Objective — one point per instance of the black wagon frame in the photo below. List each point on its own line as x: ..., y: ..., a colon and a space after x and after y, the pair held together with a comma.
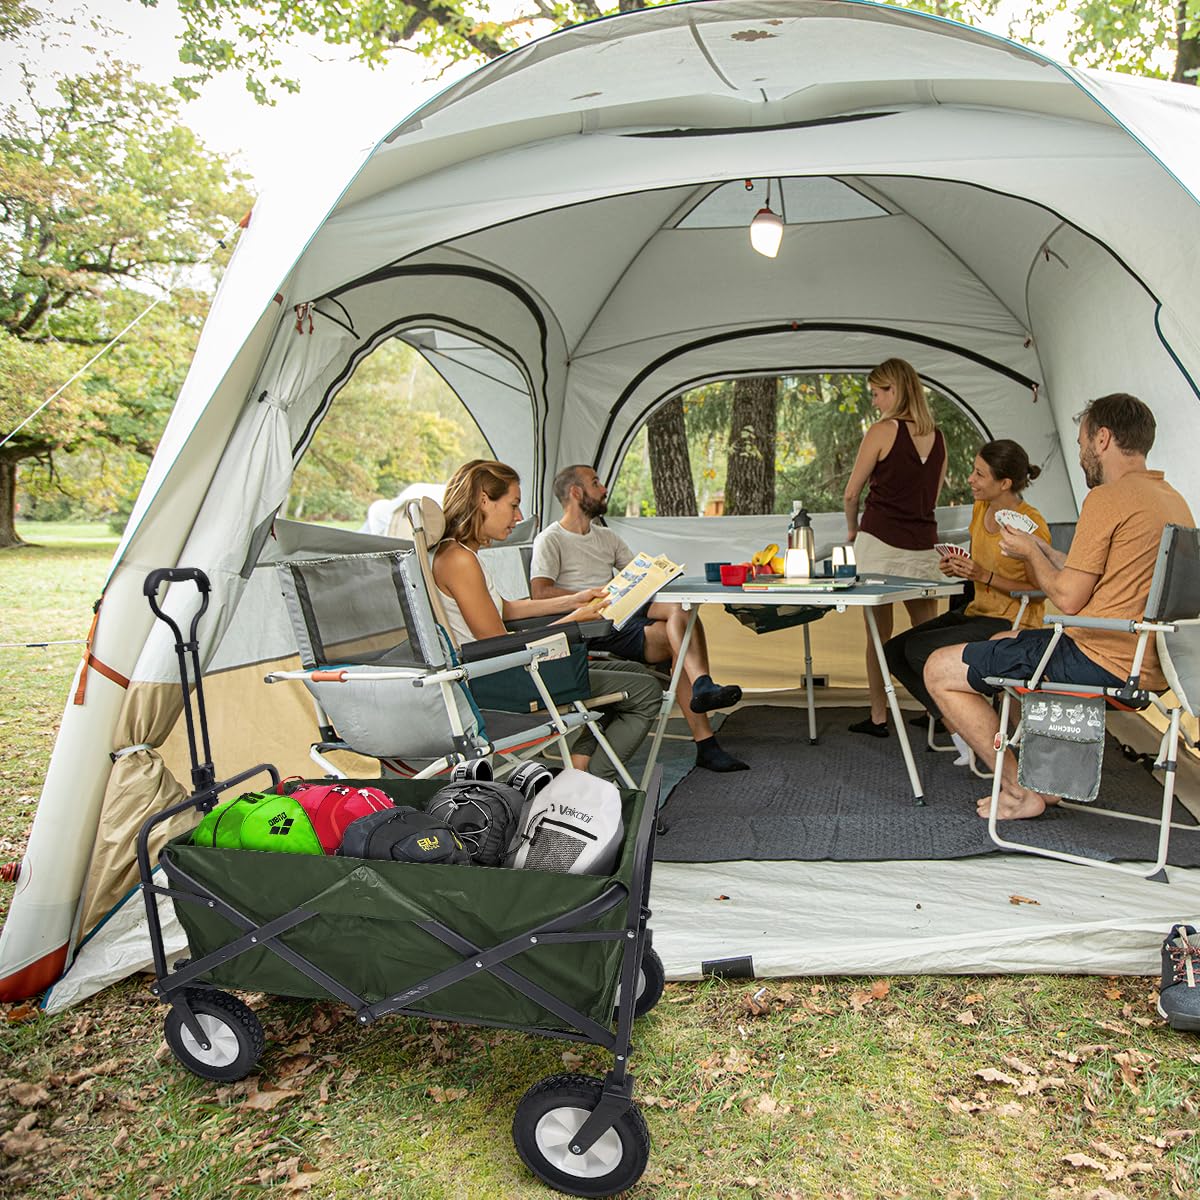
x: 185, y: 989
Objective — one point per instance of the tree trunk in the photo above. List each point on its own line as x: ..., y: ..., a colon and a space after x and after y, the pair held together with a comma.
x: 1187, y: 47
x: 8, y: 501
x: 750, y: 479
x: 670, y: 467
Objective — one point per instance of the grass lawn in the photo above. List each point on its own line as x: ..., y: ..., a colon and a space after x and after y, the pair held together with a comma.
x: 919, y: 1087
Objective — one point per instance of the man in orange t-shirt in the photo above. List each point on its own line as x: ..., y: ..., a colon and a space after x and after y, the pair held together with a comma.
x: 1106, y: 573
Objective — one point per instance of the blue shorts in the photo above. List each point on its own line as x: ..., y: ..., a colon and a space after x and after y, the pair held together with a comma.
x: 1018, y: 657
x: 629, y: 642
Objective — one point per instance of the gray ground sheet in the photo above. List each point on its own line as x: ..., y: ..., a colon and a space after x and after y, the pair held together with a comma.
x: 847, y: 799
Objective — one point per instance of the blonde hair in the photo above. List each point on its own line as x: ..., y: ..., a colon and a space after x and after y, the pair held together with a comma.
x: 464, y: 517
x: 911, y: 404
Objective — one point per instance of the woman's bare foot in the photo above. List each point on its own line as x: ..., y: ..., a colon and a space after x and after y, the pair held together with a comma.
x: 1013, y: 808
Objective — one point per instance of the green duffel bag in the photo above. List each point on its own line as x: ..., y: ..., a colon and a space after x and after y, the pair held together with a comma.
x: 259, y: 821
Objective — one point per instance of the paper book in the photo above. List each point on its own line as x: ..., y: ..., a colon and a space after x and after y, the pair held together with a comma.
x: 634, y: 585
x: 784, y: 584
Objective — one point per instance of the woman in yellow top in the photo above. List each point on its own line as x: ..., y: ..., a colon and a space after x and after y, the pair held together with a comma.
x: 1002, y: 472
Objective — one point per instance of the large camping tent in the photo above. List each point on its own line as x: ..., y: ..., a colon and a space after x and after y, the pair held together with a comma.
x: 563, y: 235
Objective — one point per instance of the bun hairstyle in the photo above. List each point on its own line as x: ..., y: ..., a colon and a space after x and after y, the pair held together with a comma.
x: 1007, y: 459
x: 464, y: 517
x: 911, y: 404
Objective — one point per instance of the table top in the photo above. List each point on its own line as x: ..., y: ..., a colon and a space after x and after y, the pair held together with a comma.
x: 870, y: 591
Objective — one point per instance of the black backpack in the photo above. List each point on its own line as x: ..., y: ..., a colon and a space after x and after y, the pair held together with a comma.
x: 487, y: 816
x: 403, y: 835
x: 483, y: 815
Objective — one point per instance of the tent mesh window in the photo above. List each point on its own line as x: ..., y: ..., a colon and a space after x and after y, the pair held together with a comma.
x: 363, y: 609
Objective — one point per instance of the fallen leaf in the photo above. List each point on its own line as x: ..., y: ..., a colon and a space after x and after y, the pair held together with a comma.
x: 1112, y: 993
x: 973, y: 998
x: 301, y: 1181
x: 1022, y: 900
x: 880, y: 989
x: 1017, y: 1065
x: 757, y: 1003
x: 1011, y: 1109
x: 766, y: 1103
x: 991, y: 1075
x: 295, y: 1064
x: 1109, y: 1151
x: 29, y: 1095
x: 265, y: 1099
x: 441, y: 1095
x: 571, y: 1060
x: 967, y: 1018
x: 1083, y: 1160
x: 860, y: 999
x: 22, y: 1012
x: 1114, y: 1027
x: 657, y: 1102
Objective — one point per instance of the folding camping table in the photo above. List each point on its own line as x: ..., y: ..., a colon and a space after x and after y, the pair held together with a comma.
x: 868, y: 593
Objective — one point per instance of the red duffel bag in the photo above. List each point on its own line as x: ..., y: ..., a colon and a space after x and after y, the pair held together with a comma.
x: 332, y: 806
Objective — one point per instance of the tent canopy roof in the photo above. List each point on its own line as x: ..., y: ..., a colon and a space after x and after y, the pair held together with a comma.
x: 1010, y: 224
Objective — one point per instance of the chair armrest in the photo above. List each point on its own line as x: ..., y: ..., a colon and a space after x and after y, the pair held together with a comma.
x: 1115, y: 623
x: 1030, y: 594
x: 575, y: 632
x: 510, y: 643
x: 589, y: 630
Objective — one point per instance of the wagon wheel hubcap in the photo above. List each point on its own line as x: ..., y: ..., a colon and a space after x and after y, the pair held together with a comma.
x: 223, y: 1042
x: 554, y: 1133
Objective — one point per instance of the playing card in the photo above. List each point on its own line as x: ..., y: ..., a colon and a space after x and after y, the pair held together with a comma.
x: 1016, y: 521
x: 949, y: 549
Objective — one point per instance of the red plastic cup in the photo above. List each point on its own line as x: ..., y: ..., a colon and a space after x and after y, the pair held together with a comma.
x: 733, y: 574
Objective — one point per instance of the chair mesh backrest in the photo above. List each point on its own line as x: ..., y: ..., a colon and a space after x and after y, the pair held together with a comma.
x: 1175, y: 598
x: 361, y: 608
x: 1175, y: 586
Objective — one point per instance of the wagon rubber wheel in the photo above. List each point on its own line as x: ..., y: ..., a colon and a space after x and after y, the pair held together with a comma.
x: 652, y: 975
x: 234, y: 1033
x: 548, y: 1117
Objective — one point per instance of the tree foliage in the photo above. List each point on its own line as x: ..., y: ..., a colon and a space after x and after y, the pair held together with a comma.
x: 820, y: 421
x: 395, y: 422
x: 106, y: 202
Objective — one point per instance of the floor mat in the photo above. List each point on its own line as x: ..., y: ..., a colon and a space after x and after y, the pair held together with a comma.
x: 847, y: 799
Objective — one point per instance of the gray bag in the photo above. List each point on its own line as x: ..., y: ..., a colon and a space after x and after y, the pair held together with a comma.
x: 1062, y: 745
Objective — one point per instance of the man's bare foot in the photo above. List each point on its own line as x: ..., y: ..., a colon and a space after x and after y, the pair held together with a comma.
x: 1012, y: 808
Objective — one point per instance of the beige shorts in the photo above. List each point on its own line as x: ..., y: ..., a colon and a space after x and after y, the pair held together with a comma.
x: 875, y: 557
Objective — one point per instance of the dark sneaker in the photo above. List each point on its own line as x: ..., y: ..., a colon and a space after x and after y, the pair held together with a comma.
x: 1179, y: 988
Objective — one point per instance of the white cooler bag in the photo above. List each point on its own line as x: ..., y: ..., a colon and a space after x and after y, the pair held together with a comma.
x: 573, y: 824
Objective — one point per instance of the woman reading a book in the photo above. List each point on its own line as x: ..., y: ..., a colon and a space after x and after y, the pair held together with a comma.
x: 482, y: 505
x: 1002, y: 472
x: 903, y: 457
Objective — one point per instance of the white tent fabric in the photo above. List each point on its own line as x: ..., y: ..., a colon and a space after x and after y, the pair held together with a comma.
x: 549, y: 232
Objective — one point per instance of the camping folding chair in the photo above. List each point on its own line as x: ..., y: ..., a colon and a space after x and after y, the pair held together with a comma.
x: 388, y: 682
x: 1060, y: 733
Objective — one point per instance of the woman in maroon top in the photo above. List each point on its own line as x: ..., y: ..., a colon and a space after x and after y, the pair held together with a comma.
x: 903, y: 456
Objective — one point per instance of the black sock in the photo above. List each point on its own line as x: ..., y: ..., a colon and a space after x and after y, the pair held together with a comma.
x: 711, y: 757
x: 707, y: 695
x: 868, y: 726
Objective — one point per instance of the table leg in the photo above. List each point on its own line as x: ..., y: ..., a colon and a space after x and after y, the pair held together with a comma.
x: 668, y: 700
x: 808, y: 686
x: 894, y: 705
